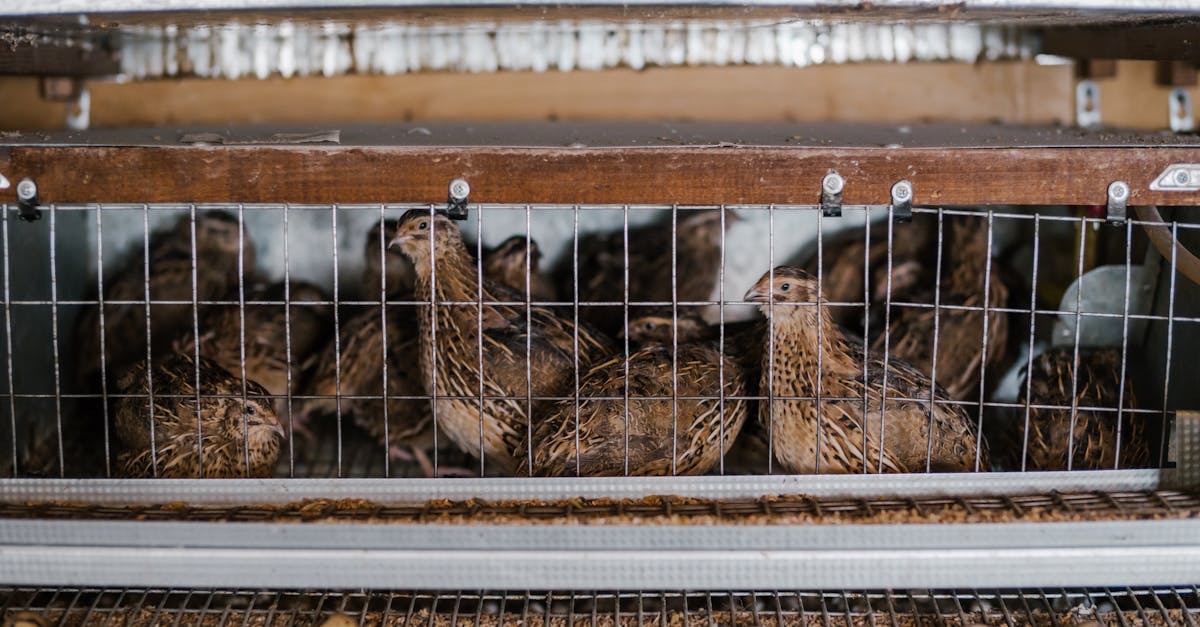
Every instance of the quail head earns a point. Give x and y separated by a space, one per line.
827 413
506 264
376 255
230 431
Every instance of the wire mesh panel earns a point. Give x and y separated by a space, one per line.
569 340
1124 606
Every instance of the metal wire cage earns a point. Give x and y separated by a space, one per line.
59 290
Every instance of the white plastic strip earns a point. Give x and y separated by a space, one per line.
401 491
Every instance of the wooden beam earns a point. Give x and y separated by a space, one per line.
661 174
1175 41
47 59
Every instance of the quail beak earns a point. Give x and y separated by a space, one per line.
401 237
757 294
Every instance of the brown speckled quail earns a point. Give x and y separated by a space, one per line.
170 279
492 427
959 332
643 440
903 444
229 426
744 343
266 337
1094 446
602 265
506 264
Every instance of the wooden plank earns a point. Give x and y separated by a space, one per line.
1178 40
663 174
48 59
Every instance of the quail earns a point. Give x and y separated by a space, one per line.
960 332
170 278
266 337
238 436
697 248
826 429
506 264
486 413
671 425
1093 443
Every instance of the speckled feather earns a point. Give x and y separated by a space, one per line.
1095 433
223 423
850 439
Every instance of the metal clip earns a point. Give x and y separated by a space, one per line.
1087 104
27 200
1179 107
457 203
902 200
831 194
1118 196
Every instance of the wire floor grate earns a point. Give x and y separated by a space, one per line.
1083 506
134 607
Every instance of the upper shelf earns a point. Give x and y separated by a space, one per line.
605 163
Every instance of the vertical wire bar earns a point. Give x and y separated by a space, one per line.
1166 372
103 347
149 356
287 330
674 342
433 353
337 340
1124 345
771 324
528 351
625 325
1075 358
479 334
983 355
937 303
575 320
887 342
1037 244
383 335
820 343
58 424
196 342
242 329
721 347
866 317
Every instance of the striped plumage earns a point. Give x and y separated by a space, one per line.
851 440
496 425
695 424
506 264
1095 434
229 426
376 255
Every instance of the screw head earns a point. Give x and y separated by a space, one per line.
902 191
1118 190
459 190
833 183
1182 177
26 190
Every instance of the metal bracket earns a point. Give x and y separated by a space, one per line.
79 110
1179 107
831 194
1178 177
1087 104
1118 196
27 200
460 190
902 201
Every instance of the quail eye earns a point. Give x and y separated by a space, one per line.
649 326
785 287
424 225
250 411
